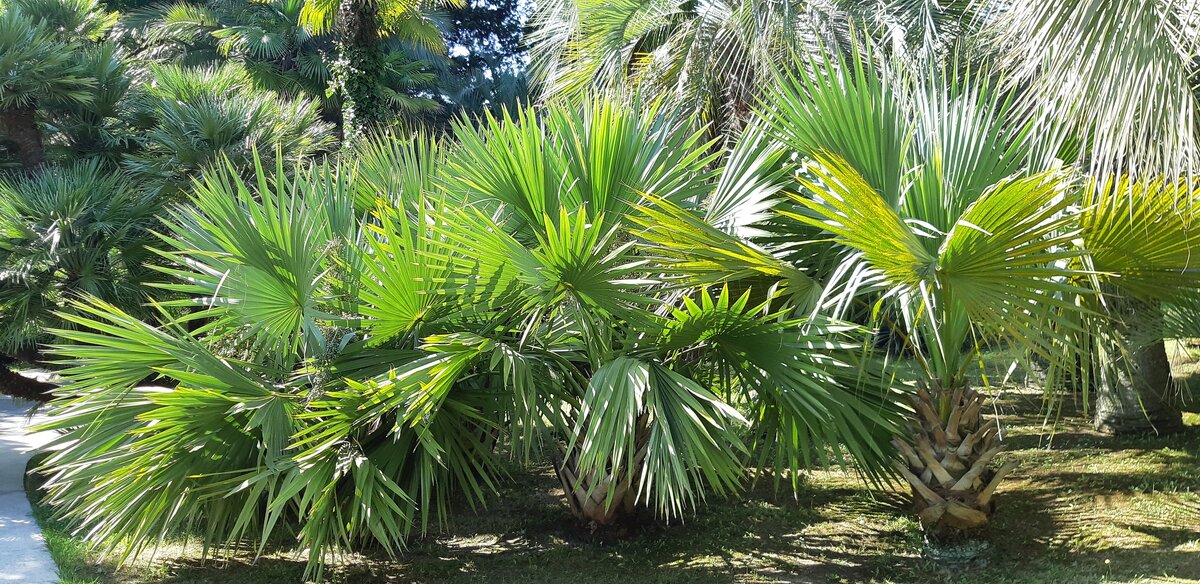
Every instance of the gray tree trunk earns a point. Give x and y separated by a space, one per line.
1141 397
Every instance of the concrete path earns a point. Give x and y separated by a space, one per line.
23 554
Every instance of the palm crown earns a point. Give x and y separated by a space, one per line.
35 64
192 123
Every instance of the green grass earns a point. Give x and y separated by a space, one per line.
1080 508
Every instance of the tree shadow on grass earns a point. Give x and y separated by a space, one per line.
1069 507
825 533
1056 533
1054 523
1092 508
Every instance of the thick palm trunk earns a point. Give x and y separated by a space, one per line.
1139 398
360 67
949 464
589 495
607 500
1142 403
20 125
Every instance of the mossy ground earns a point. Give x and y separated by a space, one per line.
1081 507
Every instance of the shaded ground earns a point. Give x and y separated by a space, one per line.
1080 508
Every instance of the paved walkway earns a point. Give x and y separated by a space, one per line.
23 554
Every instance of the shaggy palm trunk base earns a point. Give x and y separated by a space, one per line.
604 499
949 464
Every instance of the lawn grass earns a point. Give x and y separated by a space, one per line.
1081 507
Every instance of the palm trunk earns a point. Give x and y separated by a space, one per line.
949 464
1143 404
20 125
1138 398
608 500
361 67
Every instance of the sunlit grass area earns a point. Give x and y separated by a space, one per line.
1081 507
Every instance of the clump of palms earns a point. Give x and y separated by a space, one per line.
66 232
1113 97
364 342
651 336
195 117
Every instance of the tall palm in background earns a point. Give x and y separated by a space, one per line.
360 27
1111 80
278 50
715 57
1141 236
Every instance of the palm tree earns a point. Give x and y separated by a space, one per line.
99 127
360 28
197 117
1140 235
917 200
267 38
86 21
1117 89
647 430
41 70
715 57
372 337
179 33
35 65
80 229
306 331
